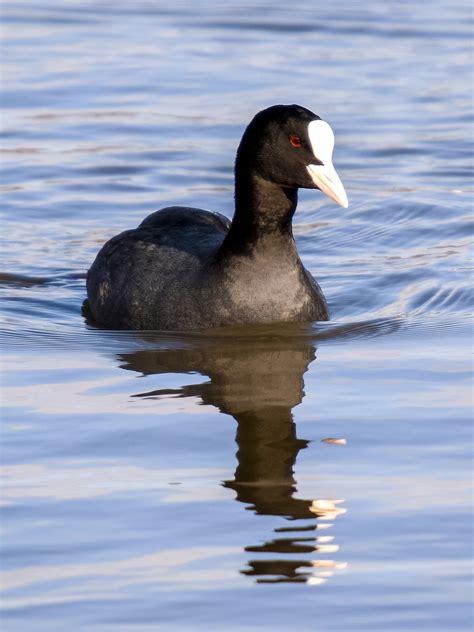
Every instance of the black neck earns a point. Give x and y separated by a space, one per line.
263 214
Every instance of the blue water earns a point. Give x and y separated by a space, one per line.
175 482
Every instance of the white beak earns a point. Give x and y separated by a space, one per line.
324 176
326 179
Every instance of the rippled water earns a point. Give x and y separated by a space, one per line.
185 482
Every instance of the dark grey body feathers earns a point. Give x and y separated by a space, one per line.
164 275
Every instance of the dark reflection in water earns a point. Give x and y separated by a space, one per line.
259 381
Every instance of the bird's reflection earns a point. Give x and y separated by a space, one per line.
258 380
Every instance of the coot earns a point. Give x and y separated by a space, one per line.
187 268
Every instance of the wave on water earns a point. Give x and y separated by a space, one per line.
52 326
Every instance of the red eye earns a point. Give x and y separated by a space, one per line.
295 140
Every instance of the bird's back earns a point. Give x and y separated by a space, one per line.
146 278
